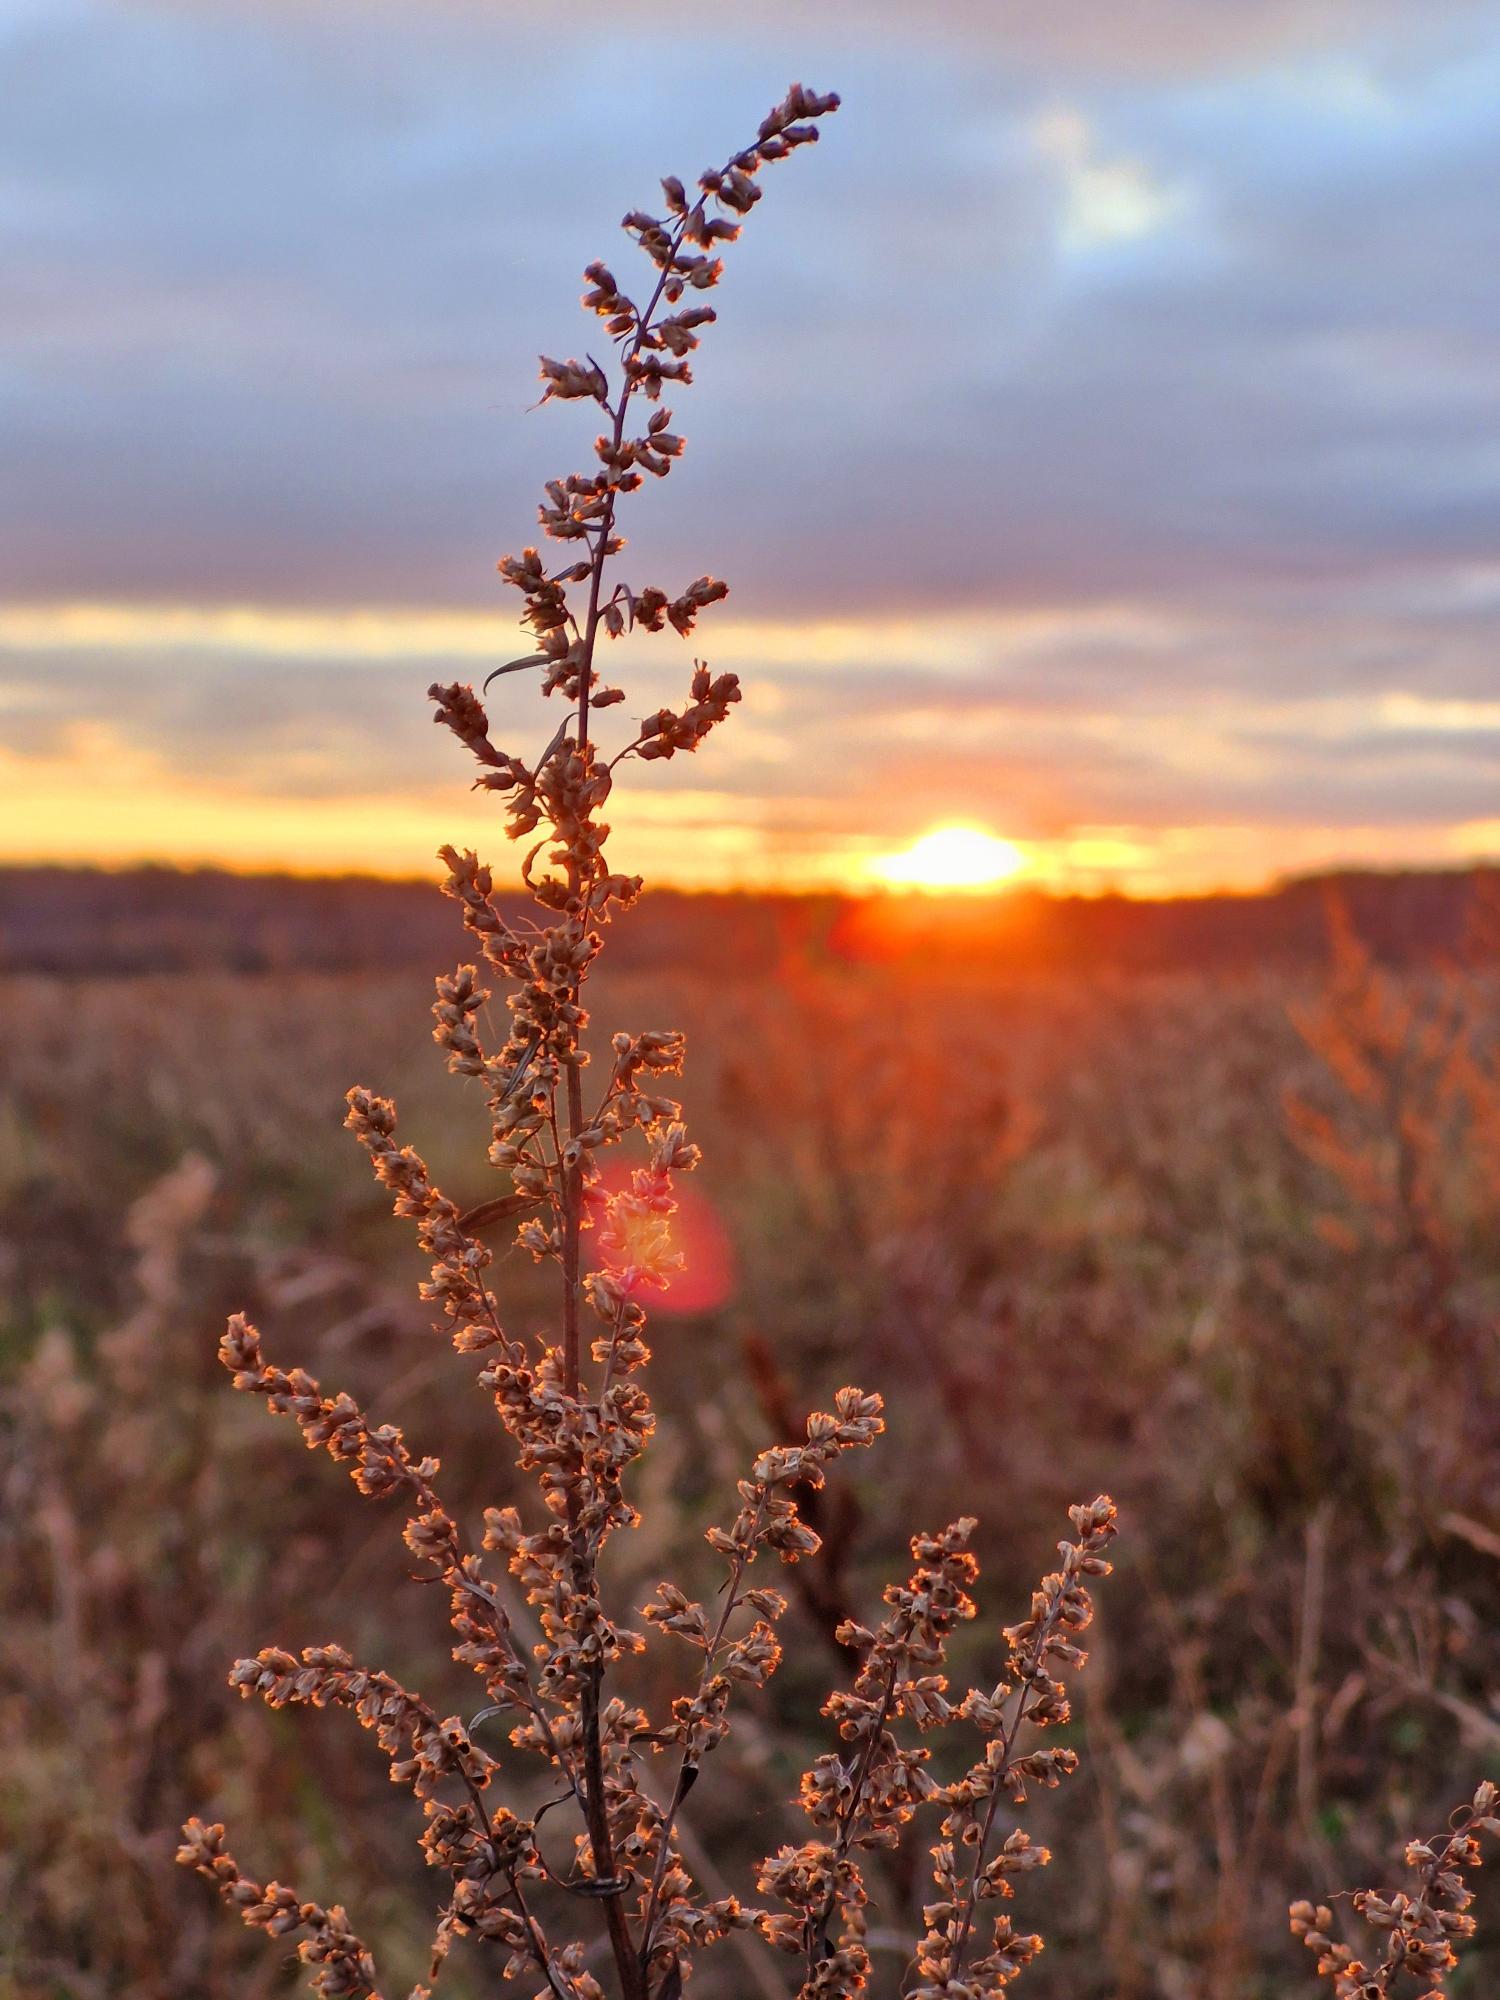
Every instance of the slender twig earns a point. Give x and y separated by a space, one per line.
817 1935
1009 1732
683 1782
607 521
539 1947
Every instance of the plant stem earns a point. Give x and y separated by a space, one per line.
539 1946
817 1937
596 1813
607 522
680 1788
572 1230
1008 1738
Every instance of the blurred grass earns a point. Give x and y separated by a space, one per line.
1076 1233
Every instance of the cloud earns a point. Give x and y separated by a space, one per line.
1105 201
1103 368
272 325
1045 724
1152 38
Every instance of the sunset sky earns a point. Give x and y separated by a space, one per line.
1101 436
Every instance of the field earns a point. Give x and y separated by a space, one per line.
1225 1246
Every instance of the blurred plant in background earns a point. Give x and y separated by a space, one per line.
1285 1684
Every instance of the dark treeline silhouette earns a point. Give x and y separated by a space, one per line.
157 919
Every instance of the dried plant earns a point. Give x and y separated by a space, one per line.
575 1408
1421 1927
1404 1126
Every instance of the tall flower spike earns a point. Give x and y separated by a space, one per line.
576 1413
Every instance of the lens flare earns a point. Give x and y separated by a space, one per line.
707 1278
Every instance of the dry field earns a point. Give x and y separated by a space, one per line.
1228 1249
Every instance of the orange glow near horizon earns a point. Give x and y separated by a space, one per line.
100 787
957 857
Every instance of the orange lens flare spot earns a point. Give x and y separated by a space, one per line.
705 1279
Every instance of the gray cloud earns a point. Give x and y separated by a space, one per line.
275 276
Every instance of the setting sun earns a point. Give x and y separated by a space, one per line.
956 856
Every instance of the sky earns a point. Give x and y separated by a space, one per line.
1100 436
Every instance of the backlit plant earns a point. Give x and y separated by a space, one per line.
533 1612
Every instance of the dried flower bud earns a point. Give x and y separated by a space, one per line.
570 379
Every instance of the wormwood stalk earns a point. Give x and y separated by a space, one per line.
575 1408
1422 1926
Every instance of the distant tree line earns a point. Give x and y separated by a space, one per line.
159 919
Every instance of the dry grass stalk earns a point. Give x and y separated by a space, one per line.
1422 1926
633 1904
576 1410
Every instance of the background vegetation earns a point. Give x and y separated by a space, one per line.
1225 1244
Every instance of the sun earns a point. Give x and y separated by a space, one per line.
955 856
